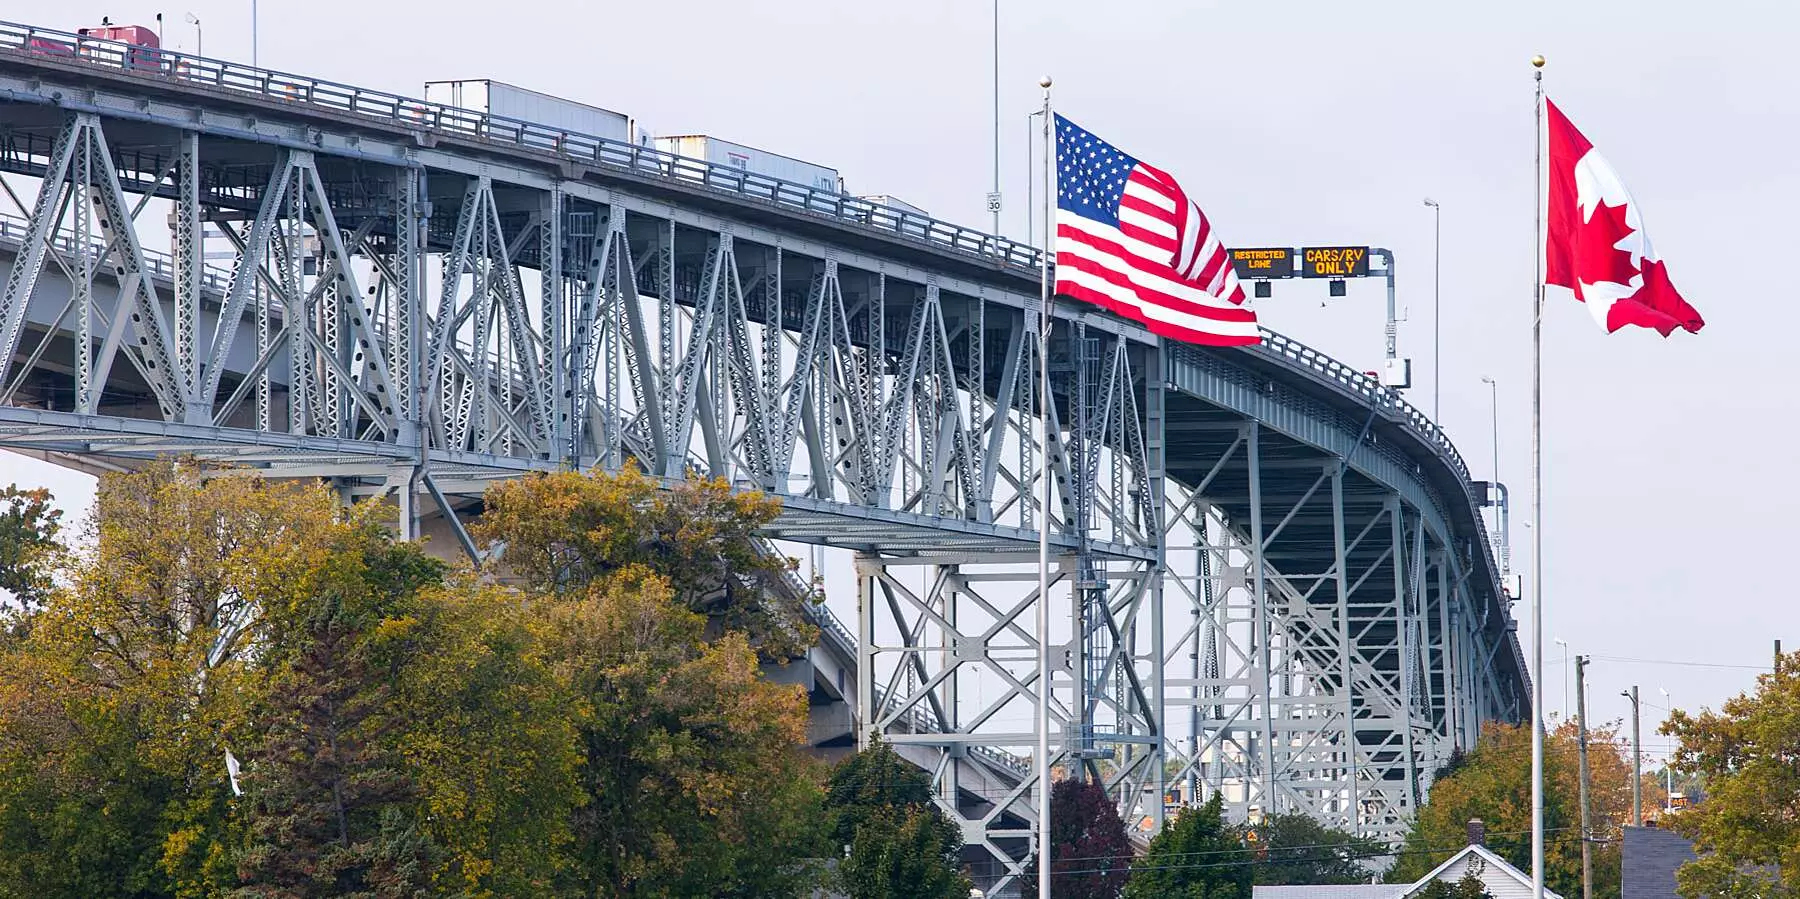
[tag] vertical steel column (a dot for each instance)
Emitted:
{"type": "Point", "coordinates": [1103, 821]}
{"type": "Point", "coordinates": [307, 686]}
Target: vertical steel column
{"type": "Point", "coordinates": [1259, 589]}
{"type": "Point", "coordinates": [554, 323]}
{"type": "Point", "coordinates": [81, 227]}
{"type": "Point", "coordinates": [1446, 643]}
{"type": "Point", "coordinates": [868, 567]}
{"type": "Point", "coordinates": [1155, 418]}
{"type": "Point", "coordinates": [1346, 648]}
{"type": "Point", "coordinates": [189, 241]}
{"type": "Point", "coordinates": [1401, 644]}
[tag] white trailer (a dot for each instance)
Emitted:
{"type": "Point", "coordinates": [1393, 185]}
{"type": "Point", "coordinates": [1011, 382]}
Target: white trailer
{"type": "Point", "coordinates": [750, 159]}
{"type": "Point", "coordinates": [497, 98]}
{"type": "Point", "coordinates": [894, 203]}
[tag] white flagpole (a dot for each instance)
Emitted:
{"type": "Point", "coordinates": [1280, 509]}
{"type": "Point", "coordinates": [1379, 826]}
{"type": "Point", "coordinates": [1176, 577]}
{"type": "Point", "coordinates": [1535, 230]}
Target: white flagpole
{"type": "Point", "coordinates": [1043, 597]}
{"type": "Point", "coordinates": [1537, 500]}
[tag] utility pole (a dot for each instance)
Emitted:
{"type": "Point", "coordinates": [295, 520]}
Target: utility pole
{"type": "Point", "coordinates": [1587, 854]}
{"type": "Point", "coordinates": [1637, 760]}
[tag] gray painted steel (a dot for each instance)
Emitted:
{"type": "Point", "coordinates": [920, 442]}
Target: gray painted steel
{"type": "Point", "coordinates": [1274, 583]}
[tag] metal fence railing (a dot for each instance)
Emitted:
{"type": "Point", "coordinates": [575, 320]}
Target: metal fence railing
{"type": "Point", "coordinates": [416, 114]}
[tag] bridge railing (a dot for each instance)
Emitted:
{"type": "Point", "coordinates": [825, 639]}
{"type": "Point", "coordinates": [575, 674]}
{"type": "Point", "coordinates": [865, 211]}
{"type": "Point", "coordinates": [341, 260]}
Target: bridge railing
{"type": "Point", "coordinates": [413, 113]}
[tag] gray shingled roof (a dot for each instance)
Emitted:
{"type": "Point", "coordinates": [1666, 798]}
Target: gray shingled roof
{"type": "Point", "coordinates": [1651, 856]}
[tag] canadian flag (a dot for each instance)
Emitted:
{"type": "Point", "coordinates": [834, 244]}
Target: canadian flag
{"type": "Point", "coordinates": [1595, 244]}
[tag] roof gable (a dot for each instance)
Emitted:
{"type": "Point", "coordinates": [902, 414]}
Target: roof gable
{"type": "Point", "coordinates": [1491, 863]}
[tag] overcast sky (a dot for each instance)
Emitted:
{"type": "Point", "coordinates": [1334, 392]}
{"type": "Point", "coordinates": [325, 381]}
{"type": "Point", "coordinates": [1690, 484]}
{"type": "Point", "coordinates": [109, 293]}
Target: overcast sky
{"type": "Point", "coordinates": [1667, 462]}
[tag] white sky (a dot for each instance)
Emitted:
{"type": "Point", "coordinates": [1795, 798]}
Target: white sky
{"type": "Point", "coordinates": [1295, 123]}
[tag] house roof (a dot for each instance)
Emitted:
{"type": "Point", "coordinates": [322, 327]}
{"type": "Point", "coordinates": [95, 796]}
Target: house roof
{"type": "Point", "coordinates": [1650, 857]}
{"type": "Point", "coordinates": [1494, 863]}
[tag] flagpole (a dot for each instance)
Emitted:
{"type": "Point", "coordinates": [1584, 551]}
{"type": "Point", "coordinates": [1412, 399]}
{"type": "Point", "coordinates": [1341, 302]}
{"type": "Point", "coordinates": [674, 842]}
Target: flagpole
{"type": "Point", "coordinates": [1043, 597]}
{"type": "Point", "coordinates": [1537, 494]}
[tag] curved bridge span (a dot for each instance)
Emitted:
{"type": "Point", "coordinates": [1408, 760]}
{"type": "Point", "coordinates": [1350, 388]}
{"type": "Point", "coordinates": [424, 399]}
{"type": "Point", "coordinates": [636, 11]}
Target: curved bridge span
{"type": "Point", "coordinates": [1273, 578]}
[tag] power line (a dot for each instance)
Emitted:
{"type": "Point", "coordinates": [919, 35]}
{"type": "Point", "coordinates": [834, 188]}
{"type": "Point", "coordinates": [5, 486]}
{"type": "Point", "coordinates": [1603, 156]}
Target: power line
{"type": "Point", "coordinates": [1682, 662]}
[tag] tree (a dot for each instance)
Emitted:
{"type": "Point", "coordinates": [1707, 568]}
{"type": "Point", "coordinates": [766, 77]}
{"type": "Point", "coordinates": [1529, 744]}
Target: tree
{"type": "Point", "coordinates": [561, 532]}
{"type": "Point", "coordinates": [1090, 854]}
{"type": "Point", "coordinates": [1469, 887]}
{"type": "Point", "coordinates": [1493, 783]}
{"type": "Point", "coordinates": [1747, 832]}
{"type": "Point", "coordinates": [118, 703]}
{"type": "Point", "coordinates": [1197, 856]}
{"type": "Point", "coordinates": [331, 808]}
{"type": "Point", "coordinates": [28, 529]}
{"type": "Point", "coordinates": [899, 843]}
{"type": "Point", "coordinates": [693, 779]}
{"type": "Point", "coordinates": [494, 749]}
{"type": "Point", "coordinates": [1295, 849]}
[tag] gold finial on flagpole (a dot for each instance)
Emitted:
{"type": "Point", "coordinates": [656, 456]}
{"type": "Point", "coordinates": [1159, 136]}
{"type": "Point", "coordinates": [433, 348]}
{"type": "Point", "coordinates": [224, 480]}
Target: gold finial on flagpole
{"type": "Point", "coordinates": [1537, 62]}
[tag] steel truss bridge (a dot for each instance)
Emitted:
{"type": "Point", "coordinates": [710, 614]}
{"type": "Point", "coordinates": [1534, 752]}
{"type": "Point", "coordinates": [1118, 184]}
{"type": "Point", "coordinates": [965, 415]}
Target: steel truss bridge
{"type": "Point", "coordinates": [1273, 578]}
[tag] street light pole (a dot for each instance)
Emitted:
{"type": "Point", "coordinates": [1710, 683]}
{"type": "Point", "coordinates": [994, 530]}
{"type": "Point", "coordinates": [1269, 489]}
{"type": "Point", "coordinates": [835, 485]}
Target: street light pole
{"type": "Point", "coordinates": [199, 38]}
{"type": "Point", "coordinates": [1437, 330]}
{"type": "Point", "coordinates": [994, 197]}
{"type": "Point", "coordinates": [255, 44]}
{"type": "Point", "coordinates": [1565, 645]}
{"type": "Point", "coordinates": [1494, 414]}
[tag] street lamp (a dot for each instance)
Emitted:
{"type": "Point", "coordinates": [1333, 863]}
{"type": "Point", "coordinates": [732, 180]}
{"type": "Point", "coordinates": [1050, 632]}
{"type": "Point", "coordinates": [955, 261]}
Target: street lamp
{"type": "Point", "coordinates": [1437, 330]}
{"type": "Point", "coordinates": [1668, 763]}
{"type": "Point", "coordinates": [1494, 413]}
{"type": "Point", "coordinates": [1565, 657]}
{"type": "Point", "coordinates": [199, 40]}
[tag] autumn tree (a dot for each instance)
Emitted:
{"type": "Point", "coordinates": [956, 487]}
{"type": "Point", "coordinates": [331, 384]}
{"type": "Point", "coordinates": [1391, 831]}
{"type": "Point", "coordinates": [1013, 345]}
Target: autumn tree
{"type": "Point", "coordinates": [117, 710]}
{"type": "Point", "coordinates": [494, 747]}
{"type": "Point", "coordinates": [1747, 832]}
{"type": "Point", "coordinates": [1493, 782]}
{"type": "Point", "coordinates": [561, 532]}
{"type": "Point", "coordinates": [899, 844]}
{"type": "Point", "coordinates": [1196, 856]}
{"type": "Point", "coordinates": [1090, 853]}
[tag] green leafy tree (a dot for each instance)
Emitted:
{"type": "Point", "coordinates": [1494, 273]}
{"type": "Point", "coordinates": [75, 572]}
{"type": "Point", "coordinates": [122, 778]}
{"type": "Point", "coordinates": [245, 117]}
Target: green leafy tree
{"type": "Point", "coordinates": [1090, 854]}
{"type": "Point", "coordinates": [899, 843]}
{"type": "Point", "coordinates": [331, 808]}
{"type": "Point", "coordinates": [1293, 848]}
{"type": "Point", "coordinates": [691, 766]}
{"type": "Point", "coordinates": [28, 544]}
{"type": "Point", "coordinates": [1469, 887]}
{"type": "Point", "coordinates": [904, 853]}
{"type": "Point", "coordinates": [1747, 831]}
{"type": "Point", "coordinates": [1196, 856]}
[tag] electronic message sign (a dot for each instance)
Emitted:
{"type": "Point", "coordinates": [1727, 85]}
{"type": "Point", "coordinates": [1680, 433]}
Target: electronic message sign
{"type": "Point", "coordinates": [1334, 262]}
{"type": "Point", "coordinates": [1263, 262]}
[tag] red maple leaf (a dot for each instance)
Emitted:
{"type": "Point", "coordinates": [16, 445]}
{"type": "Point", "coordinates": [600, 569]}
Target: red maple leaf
{"type": "Point", "coordinates": [1597, 256]}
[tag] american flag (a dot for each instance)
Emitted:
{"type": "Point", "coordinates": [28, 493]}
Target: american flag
{"type": "Point", "coordinates": [1129, 239]}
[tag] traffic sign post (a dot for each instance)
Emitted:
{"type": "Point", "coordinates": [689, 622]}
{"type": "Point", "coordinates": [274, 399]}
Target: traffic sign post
{"type": "Point", "coordinates": [1262, 266]}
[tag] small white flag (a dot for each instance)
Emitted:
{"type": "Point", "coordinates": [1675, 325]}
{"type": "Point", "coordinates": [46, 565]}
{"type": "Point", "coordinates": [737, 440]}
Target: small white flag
{"type": "Point", "coordinates": [231, 771]}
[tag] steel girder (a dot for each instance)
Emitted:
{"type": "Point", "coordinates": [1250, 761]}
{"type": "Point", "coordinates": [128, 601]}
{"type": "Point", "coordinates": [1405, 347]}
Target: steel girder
{"type": "Point", "coordinates": [420, 321]}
